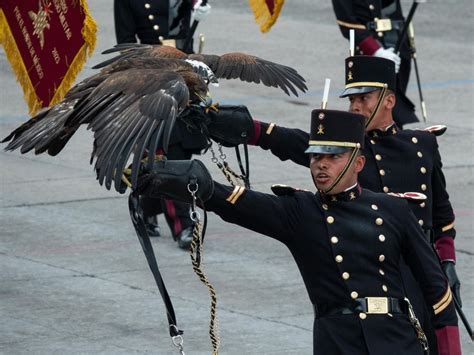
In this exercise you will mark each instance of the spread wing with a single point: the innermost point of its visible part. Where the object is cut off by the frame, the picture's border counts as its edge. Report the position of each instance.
(138, 115)
(136, 50)
(253, 69)
(52, 128)
(128, 117)
(228, 66)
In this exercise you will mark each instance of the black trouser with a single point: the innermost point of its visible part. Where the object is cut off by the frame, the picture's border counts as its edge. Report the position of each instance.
(176, 213)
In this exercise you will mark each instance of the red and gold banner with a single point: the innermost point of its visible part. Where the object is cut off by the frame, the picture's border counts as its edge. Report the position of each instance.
(266, 12)
(47, 43)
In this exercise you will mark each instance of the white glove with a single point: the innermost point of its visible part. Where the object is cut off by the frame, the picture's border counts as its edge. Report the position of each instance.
(389, 54)
(200, 12)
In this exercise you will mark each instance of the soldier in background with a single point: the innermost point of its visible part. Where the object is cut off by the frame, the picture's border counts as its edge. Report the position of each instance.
(168, 23)
(157, 21)
(346, 241)
(377, 25)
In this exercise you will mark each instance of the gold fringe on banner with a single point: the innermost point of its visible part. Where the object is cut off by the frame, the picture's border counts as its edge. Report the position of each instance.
(12, 53)
(89, 31)
(263, 16)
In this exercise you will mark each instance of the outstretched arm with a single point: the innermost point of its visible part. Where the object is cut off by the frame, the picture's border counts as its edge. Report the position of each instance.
(233, 125)
(277, 217)
(259, 212)
(284, 143)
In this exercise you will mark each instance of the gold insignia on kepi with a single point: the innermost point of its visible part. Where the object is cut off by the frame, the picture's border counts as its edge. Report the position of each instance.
(320, 129)
(349, 76)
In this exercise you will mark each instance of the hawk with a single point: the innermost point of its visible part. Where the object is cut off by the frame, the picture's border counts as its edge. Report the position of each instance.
(131, 105)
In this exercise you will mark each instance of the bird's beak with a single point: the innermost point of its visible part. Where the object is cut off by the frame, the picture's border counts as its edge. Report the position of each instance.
(206, 100)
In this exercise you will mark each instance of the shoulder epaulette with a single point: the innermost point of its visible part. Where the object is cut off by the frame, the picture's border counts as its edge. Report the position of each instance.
(437, 130)
(283, 190)
(411, 196)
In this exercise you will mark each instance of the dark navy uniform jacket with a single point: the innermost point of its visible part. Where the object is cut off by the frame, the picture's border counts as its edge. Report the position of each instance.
(396, 161)
(358, 15)
(345, 248)
(150, 19)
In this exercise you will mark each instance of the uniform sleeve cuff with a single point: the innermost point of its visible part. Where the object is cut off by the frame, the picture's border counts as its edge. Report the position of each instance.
(257, 128)
(448, 340)
(369, 45)
(445, 248)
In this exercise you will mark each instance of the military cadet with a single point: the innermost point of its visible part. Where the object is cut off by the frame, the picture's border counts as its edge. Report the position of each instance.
(347, 242)
(164, 22)
(396, 160)
(377, 25)
(157, 21)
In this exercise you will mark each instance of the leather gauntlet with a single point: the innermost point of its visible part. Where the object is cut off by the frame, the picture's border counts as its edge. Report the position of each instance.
(173, 179)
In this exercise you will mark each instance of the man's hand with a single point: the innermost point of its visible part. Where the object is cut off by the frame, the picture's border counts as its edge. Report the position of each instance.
(450, 271)
(200, 12)
(390, 54)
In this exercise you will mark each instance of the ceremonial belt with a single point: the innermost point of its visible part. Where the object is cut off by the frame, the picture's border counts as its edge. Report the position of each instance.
(385, 24)
(369, 305)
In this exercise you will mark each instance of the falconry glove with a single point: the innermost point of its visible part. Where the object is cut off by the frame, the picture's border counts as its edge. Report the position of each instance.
(449, 269)
(175, 179)
(200, 12)
(230, 125)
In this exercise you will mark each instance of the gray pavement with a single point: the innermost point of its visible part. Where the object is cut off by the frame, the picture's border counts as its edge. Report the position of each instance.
(73, 277)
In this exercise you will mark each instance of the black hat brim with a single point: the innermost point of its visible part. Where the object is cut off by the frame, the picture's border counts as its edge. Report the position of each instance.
(326, 149)
(358, 90)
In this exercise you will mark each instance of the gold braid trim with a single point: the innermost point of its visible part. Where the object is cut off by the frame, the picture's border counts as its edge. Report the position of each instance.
(196, 252)
(448, 227)
(444, 302)
(270, 128)
(356, 26)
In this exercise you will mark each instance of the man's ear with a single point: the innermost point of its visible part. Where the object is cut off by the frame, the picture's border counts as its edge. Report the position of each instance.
(359, 163)
(390, 100)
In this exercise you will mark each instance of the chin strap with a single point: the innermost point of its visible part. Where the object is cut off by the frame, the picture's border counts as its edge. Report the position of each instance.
(351, 160)
(382, 95)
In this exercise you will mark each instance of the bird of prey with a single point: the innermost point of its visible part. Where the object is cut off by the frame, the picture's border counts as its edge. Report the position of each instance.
(131, 105)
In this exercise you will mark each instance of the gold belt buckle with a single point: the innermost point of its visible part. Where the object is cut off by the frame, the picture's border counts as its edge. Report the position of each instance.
(378, 305)
(168, 42)
(382, 25)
